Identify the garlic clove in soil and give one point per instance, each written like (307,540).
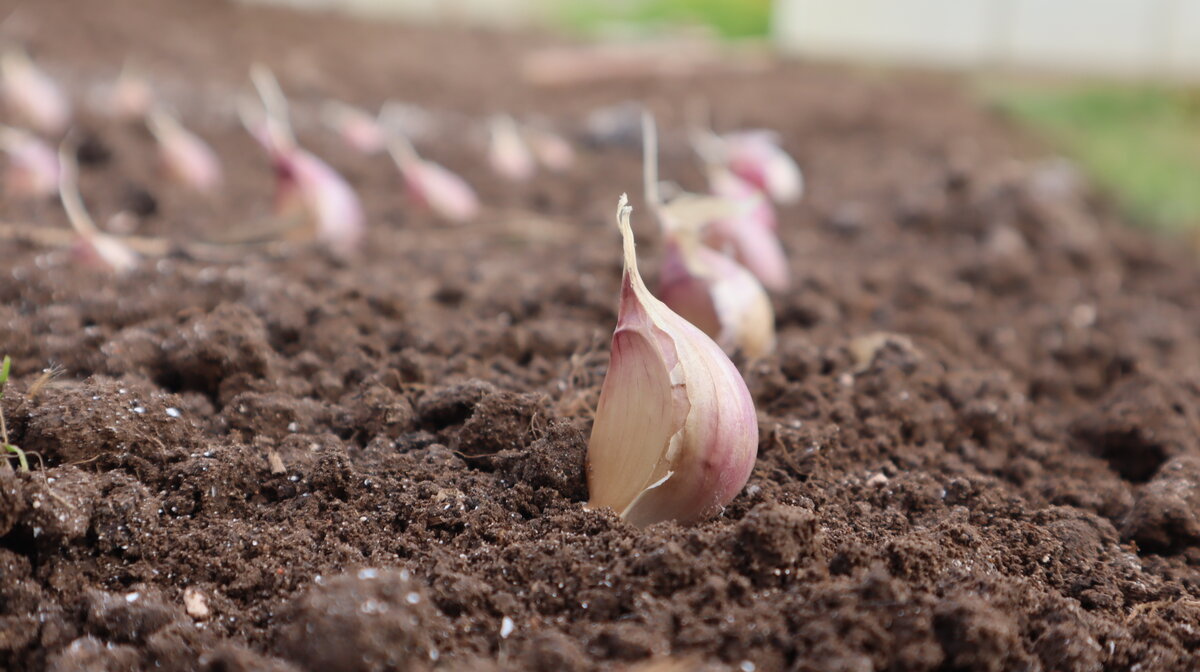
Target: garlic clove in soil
(552,150)
(304,184)
(92,247)
(756,157)
(186,158)
(508,154)
(130,98)
(357,128)
(431,185)
(719,296)
(33,170)
(309,186)
(675,435)
(750,233)
(32,95)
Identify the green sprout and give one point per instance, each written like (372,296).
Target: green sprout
(7,447)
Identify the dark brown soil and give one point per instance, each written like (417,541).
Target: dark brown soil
(278,461)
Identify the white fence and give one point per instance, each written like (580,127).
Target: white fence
(1135,38)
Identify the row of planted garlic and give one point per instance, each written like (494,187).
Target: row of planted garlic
(675,434)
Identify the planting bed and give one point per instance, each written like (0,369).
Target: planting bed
(979,433)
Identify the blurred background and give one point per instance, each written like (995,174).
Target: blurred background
(1114,84)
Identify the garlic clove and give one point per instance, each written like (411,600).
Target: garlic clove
(130,97)
(508,154)
(719,296)
(33,170)
(430,185)
(756,157)
(552,150)
(187,159)
(103,251)
(750,233)
(322,196)
(357,128)
(675,435)
(92,247)
(32,95)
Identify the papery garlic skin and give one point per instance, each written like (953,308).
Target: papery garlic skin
(676,434)
(32,170)
(32,95)
(719,297)
(508,154)
(187,159)
(750,234)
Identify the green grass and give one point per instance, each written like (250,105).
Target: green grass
(1140,142)
(728,18)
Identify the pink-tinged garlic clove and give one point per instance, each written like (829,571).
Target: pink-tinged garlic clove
(755,156)
(432,186)
(309,187)
(187,159)
(508,154)
(676,434)
(357,128)
(749,234)
(102,251)
(32,171)
(552,150)
(32,95)
(92,247)
(130,98)
(719,296)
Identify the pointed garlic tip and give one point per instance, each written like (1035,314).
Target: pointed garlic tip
(508,154)
(276,125)
(749,234)
(187,159)
(32,170)
(552,150)
(675,435)
(32,95)
(322,196)
(357,128)
(719,296)
(755,156)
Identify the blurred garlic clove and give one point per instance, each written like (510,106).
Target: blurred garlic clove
(305,186)
(308,186)
(552,150)
(187,159)
(92,247)
(431,185)
(32,95)
(130,98)
(719,296)
(33,170)
(750,233)
(676,434)
(356,127)
(100,250)
(508,154)
(755,156)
